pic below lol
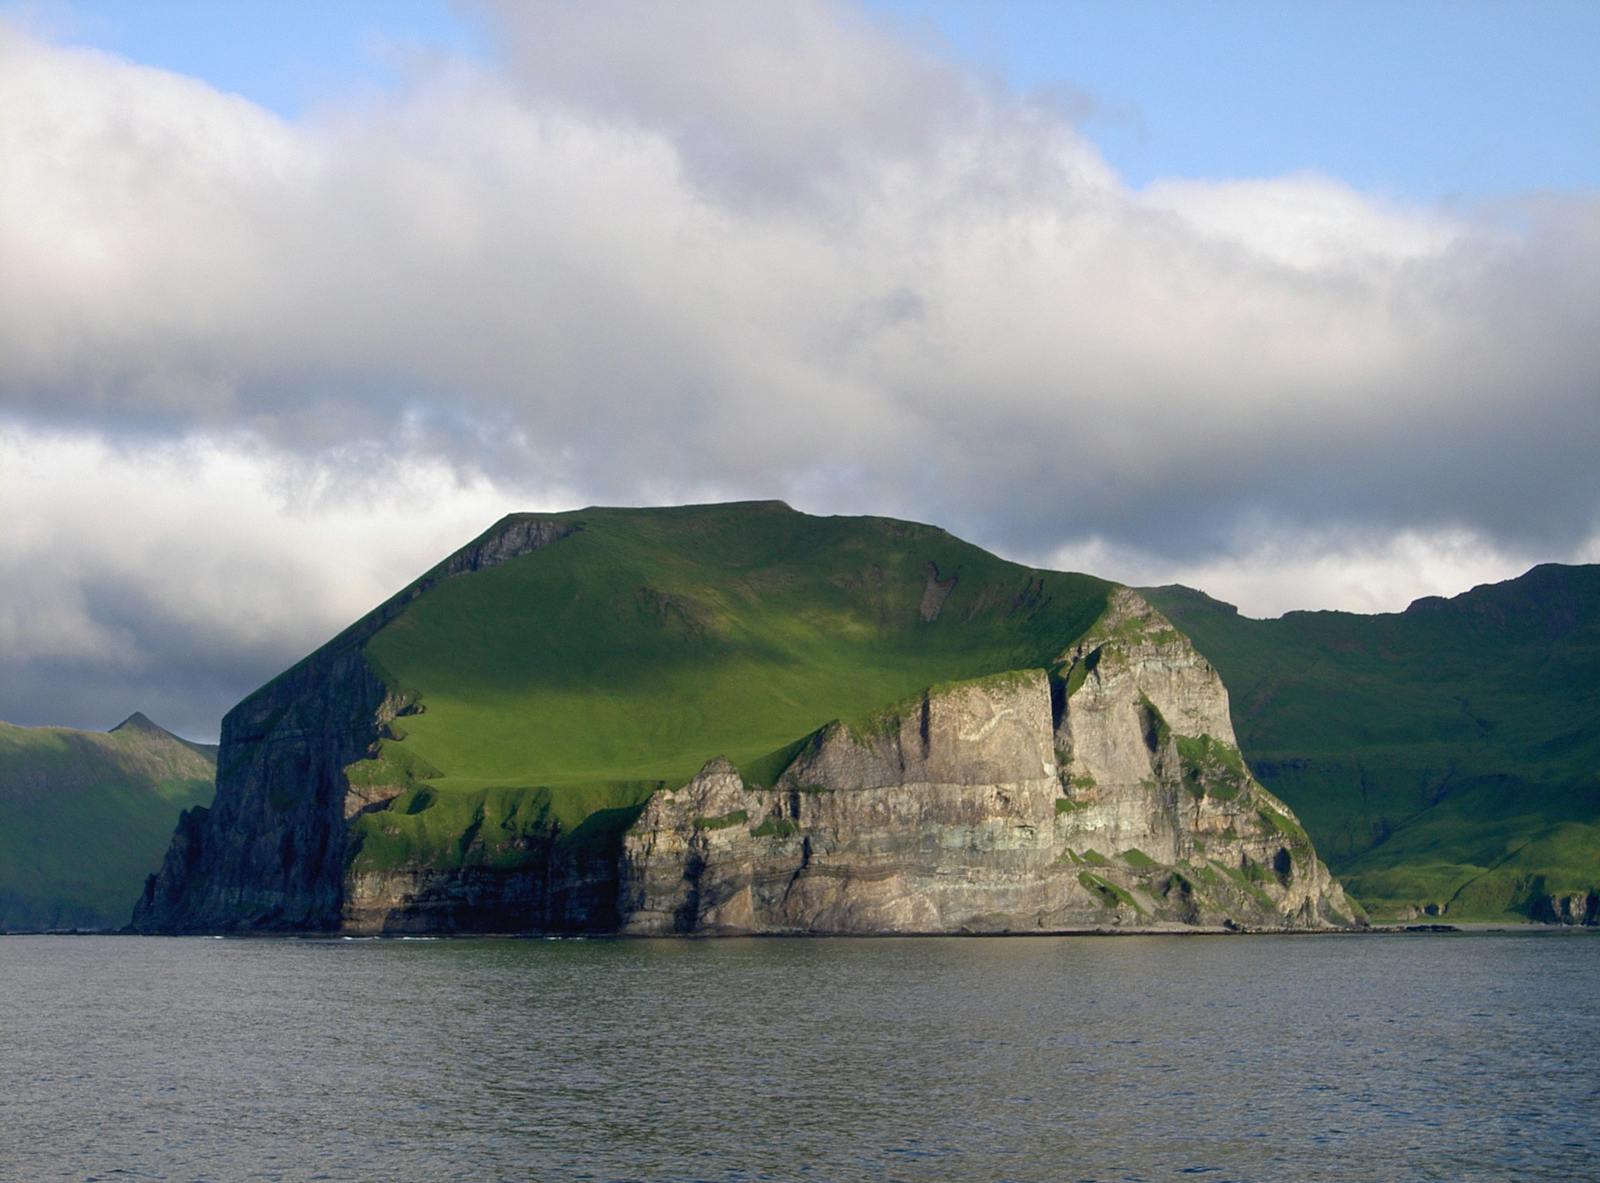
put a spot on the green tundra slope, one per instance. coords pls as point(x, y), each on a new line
point(569, 683)
point(1444, 758)
point(85, 816)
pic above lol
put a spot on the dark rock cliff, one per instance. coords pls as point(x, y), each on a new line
point(270, 853)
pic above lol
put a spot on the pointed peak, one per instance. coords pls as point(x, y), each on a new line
point(140, 722)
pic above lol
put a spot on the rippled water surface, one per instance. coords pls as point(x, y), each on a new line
point(1452, 1057)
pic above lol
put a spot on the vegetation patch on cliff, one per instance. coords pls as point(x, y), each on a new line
point(443, 826)
point(1109, 894)
point(1211, 768)
point(775, 827)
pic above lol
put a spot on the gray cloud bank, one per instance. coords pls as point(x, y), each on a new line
point(669, 252)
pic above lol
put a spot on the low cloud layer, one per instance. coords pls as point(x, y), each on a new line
point(727, 252)
point(178, 576)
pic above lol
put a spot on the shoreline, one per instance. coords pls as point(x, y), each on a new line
point(1462, 928)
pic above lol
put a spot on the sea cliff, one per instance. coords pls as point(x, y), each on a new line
point(1098, 788)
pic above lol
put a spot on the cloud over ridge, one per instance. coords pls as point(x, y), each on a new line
point(661, 253)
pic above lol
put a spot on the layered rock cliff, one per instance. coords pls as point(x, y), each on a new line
point(1108, 794)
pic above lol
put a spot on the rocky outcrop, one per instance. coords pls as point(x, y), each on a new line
point(1579, 907)
point(1107, 794)
point(270, 853)
point(1151, 764)
point(514, 536)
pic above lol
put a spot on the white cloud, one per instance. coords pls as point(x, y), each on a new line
point(1269, 571)
point(668, 253)
point(1306, 222)
point(144, 565)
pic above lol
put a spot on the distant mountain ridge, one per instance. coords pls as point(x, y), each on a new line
point(85, 815)
point(1445, 759)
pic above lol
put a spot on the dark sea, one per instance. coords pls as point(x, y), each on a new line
point(1374, 1057)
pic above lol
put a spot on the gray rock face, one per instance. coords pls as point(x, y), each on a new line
point(1150, 764)
point(1110, 797)
point(512, 537)
point(938, 821)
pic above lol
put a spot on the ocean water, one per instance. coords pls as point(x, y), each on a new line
point(1371, 1057)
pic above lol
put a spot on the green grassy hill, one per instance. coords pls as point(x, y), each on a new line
point(86, 815)
point(1448, 755)
point(568, 683)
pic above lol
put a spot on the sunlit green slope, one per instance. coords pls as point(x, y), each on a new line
point(1448, 755)
point(86, 815)
point(571, 681)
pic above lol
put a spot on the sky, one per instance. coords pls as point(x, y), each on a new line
point(1292, 303)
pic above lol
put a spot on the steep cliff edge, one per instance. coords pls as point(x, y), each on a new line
point(515, 750)
point(1110, 797)
point(271, 851)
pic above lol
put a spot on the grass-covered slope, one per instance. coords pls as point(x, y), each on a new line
point(1448, 755)
point(563, 686)
point(86, 815)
